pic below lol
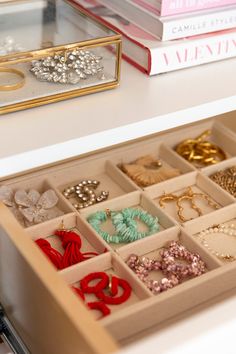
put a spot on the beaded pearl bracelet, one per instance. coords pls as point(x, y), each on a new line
point(125, 224)
point(229, 230)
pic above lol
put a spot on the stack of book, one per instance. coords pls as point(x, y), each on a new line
point(165, 35)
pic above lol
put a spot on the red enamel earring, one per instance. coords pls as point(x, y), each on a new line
point(78, 292)
point(95, 305)
point(100, 306)
point(102, 284)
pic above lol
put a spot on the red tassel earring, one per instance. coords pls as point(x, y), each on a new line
point(71, 242)
point(54, 256)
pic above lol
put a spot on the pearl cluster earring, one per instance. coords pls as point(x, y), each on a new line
point(229, 230)
point(142, 267)
point(84, 192)
point(69, 67)
point(174, 272)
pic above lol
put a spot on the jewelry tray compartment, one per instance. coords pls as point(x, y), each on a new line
point(200, 185)
point(220, 135)
point(210, 171)
point(214, 241)
point(89, 241)
point(158, 151)
point(113, 266)
point(160, 307)
point(134, 200)
point(68, 54)
point(41, 185)
point(102, 170)
point(144, 309)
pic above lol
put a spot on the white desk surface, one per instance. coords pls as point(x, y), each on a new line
point(208, 331)
point(140, 106)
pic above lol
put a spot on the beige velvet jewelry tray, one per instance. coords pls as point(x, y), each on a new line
point(143, 309)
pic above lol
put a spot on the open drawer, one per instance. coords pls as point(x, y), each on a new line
point(38, 300)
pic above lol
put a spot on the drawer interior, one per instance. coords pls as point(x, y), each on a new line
point(143, 309)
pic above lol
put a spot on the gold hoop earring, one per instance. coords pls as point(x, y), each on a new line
point(209, 201)
point(166, 198)
point(181, 209)
point(187, 195)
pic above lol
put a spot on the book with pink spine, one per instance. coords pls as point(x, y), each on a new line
point(176, 7)
point(155, 57)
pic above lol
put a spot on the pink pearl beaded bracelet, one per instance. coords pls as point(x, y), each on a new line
point(174, 272)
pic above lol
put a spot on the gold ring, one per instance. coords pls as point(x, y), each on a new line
point(13, 86)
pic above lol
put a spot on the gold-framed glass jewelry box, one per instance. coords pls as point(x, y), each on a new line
point(50, 50)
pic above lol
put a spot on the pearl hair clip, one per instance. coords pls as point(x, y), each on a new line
point(69, 67)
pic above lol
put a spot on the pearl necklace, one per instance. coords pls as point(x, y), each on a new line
point(229, 230)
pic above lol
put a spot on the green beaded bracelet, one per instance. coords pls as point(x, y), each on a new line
point(124, 224)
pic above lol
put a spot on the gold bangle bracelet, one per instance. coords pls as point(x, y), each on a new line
point(13, 86)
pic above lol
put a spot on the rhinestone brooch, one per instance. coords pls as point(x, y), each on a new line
point(69, 67)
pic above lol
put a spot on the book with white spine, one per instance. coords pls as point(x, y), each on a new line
point(155, 57)
point(175, 27)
